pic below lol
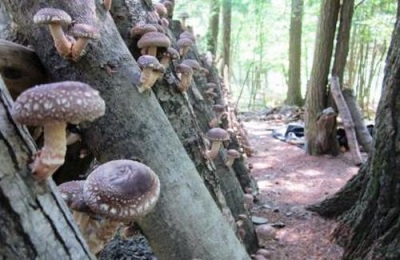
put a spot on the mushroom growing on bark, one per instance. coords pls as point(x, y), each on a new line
point(121, 190)
point(184, 16)
point(142, 28)
point(53, 106)
point(186, 73)
point(149, 42)
point(216, 135)
point(55, 19)
point(151, 71)
point(194, 64)
point(231, 155)
point(188, 35)
point(168, 55)
point(84, 33)
point(183, 45)
point(219, 112)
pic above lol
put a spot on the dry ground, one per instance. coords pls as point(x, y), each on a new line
point(288, 180)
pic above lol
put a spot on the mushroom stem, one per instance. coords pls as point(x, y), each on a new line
point(63, 45)
point(51, 156)
point(229, 161)
point(107, 4)
point(82, 219)
point(78, 48)
point(147, 79)
point(152, 50)
point(186, 80)
point(215, 145)
point(165, 61)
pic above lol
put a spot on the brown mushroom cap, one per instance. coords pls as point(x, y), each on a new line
point(148, 61)
point(172, 53)
point(82, 30)
point(188, 35)
point(52, 16)
point(218, 108)
point(72, 193)
point(154, 39)
point(194, 64)
point(217, 134)
point(67, 101)
point(184, 42)
point(160, 9)
point(233, 153)
point(184, 69)
point(122, 190)
point(142, 28)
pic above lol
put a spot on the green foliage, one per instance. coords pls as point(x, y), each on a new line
point(260, 40)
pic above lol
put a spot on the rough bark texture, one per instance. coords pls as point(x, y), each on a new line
point(326, 125)
point(34, 221)
point(343, 39)
point(178, 108)
point(371, 229)
point(317, 89)
point(213, 27)
point(363, 136)
point(135, 127)
point(293, 96)
point(226, 40)
point(347, 120)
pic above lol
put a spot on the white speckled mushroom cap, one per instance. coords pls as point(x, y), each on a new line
point(52, 16)
point(122, 190)
point(72, 193)
point(67, 101)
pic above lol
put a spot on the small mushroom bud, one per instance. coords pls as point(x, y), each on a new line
point(168, 55)
point(184, 44)
point(84, 33)
point(151, 70)
point(149, 42)
point(186, 73)
point(141, 28)
point(231, 155)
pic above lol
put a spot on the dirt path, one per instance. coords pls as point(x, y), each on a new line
point(289, 180)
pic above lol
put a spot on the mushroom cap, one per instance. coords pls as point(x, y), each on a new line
point(67, 101)
point(218, 108)
point(154, 39)
point(121, 190)
point(211, 85)
point(194, 64)
point(142, 28)
point(184, 42)
point(217, 134)
point(188, 35)
point(184, 69)
point(172, 53)
point(148, 61)
point(72, 193)
point(184, 15)
point(233, 153)
point(82, 30)
point(160, 9)
point(52, 16)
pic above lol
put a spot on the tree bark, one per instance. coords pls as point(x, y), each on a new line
point(135, 127)
point(347, 120)
point(363, 136)
point(213, 27)
point(317, 89)
point(293, 96)
point(34, 221)
point(370, 229)
point(343, 40)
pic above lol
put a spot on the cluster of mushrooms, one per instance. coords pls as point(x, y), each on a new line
point(115, 193)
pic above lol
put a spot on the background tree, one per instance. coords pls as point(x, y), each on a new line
point(370, 229)
point(293, 96)
point(317, 90)
point(213, 26)
point(226, 39)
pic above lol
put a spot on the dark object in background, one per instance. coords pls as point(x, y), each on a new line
point(342, 139)
point(298, 130)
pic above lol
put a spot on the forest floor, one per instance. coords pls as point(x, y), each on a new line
point(289, 180)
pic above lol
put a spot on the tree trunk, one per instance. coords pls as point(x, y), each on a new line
point(213, 27)
point(370, 229)
point(317, 92)
point(343, 40)
point(34, 221)
point(347, 120)
point(293, 96)
point(226, 40)
point(135, 127)
point(363, 136)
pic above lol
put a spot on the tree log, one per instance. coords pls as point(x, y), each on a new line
point(186, 222)
point(347, 120)
point(34, 221)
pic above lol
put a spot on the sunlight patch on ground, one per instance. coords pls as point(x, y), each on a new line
point(311, 172)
